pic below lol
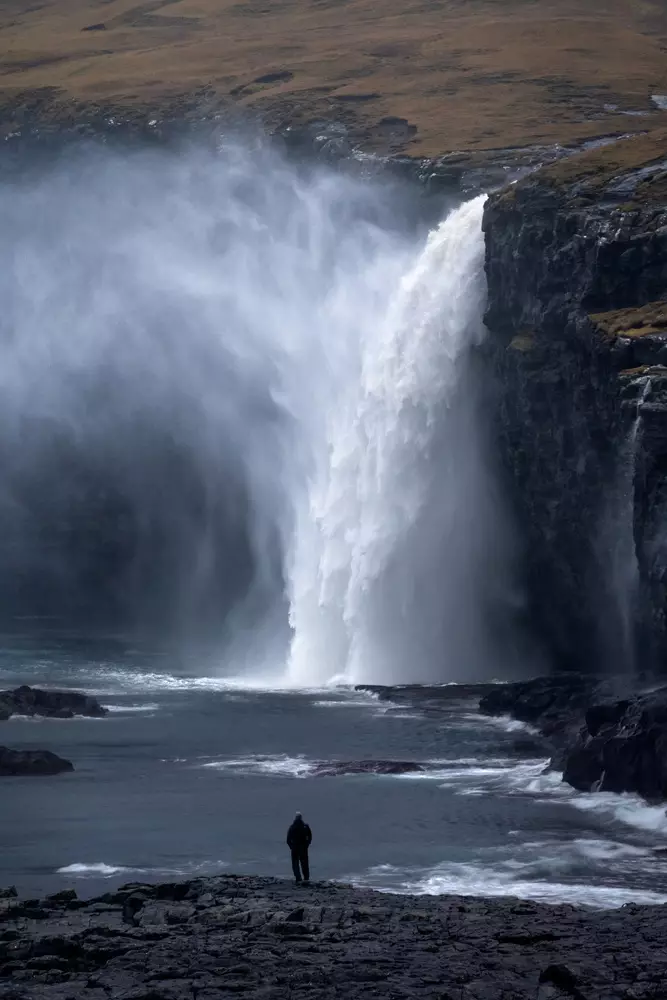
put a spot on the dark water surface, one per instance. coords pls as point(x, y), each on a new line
point(193, 774)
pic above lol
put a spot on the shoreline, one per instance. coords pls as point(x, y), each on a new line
point(265, 937)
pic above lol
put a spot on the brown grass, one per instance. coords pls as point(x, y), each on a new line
point(462, 74)
point(598, 166)
point(649, 319)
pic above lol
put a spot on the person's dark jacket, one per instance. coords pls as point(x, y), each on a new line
point(299, 836)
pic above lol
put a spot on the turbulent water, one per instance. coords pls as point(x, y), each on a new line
point(189, 775)
point(236, 406)
point(240, 427)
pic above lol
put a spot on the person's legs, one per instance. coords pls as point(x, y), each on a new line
point(305, 867)
point(295, 865)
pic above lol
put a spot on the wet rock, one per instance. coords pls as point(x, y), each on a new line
point(563, 979)
point(264, 938)
point(576, 264)
point(31, 762)
point(30, 701)
point(622, 747)
point(601, 742)
point(340, 767)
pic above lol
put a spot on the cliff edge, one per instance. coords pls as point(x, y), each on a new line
point(576, 262)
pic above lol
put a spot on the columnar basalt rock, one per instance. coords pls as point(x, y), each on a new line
point(577, 278)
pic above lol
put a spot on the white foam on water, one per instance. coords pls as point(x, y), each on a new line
point(492, 776)
point(96, 868)
point(468, 880)
point(504, 722)
point(102, 869)
point(584, 871)
point(122, 709)
point(47, 719)
point(282, 765)
point(345, 703)
point(276, 766)
point(630, 810)
point(146, 681)
point(449, 772)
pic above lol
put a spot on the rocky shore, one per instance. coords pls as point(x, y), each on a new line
point(267, 938)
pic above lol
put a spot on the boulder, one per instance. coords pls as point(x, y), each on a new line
point(340, 767)
point(31, 762)
point(30, 701)
point(622, 747)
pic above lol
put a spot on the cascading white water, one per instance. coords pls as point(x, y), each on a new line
point(619, 535)
point(387, 552)
point(213, 334)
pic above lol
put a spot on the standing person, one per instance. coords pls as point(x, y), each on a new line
point(299, 839)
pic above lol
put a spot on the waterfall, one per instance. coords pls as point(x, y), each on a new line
point(235, 391)
point(624, 564)
point(393, 537)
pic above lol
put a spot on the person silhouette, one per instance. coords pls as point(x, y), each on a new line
point(299, 839)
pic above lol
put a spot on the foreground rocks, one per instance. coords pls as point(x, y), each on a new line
point(30, 701)
point(209, 939)
point(31, 762)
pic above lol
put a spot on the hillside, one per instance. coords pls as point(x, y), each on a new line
point(425, 76)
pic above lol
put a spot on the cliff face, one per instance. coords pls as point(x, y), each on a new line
point(577, 277)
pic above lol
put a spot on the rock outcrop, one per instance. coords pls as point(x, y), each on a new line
point(15, 763)
point(601, 734)
point(336, 768)
point(266, 938)
point(622, 747)
point(30, 701)
point(577, 280)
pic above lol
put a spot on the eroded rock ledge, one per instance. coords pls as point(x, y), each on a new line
point(604, 734)
point(212, 938)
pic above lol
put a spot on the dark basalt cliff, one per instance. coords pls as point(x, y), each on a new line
point(576, 261)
